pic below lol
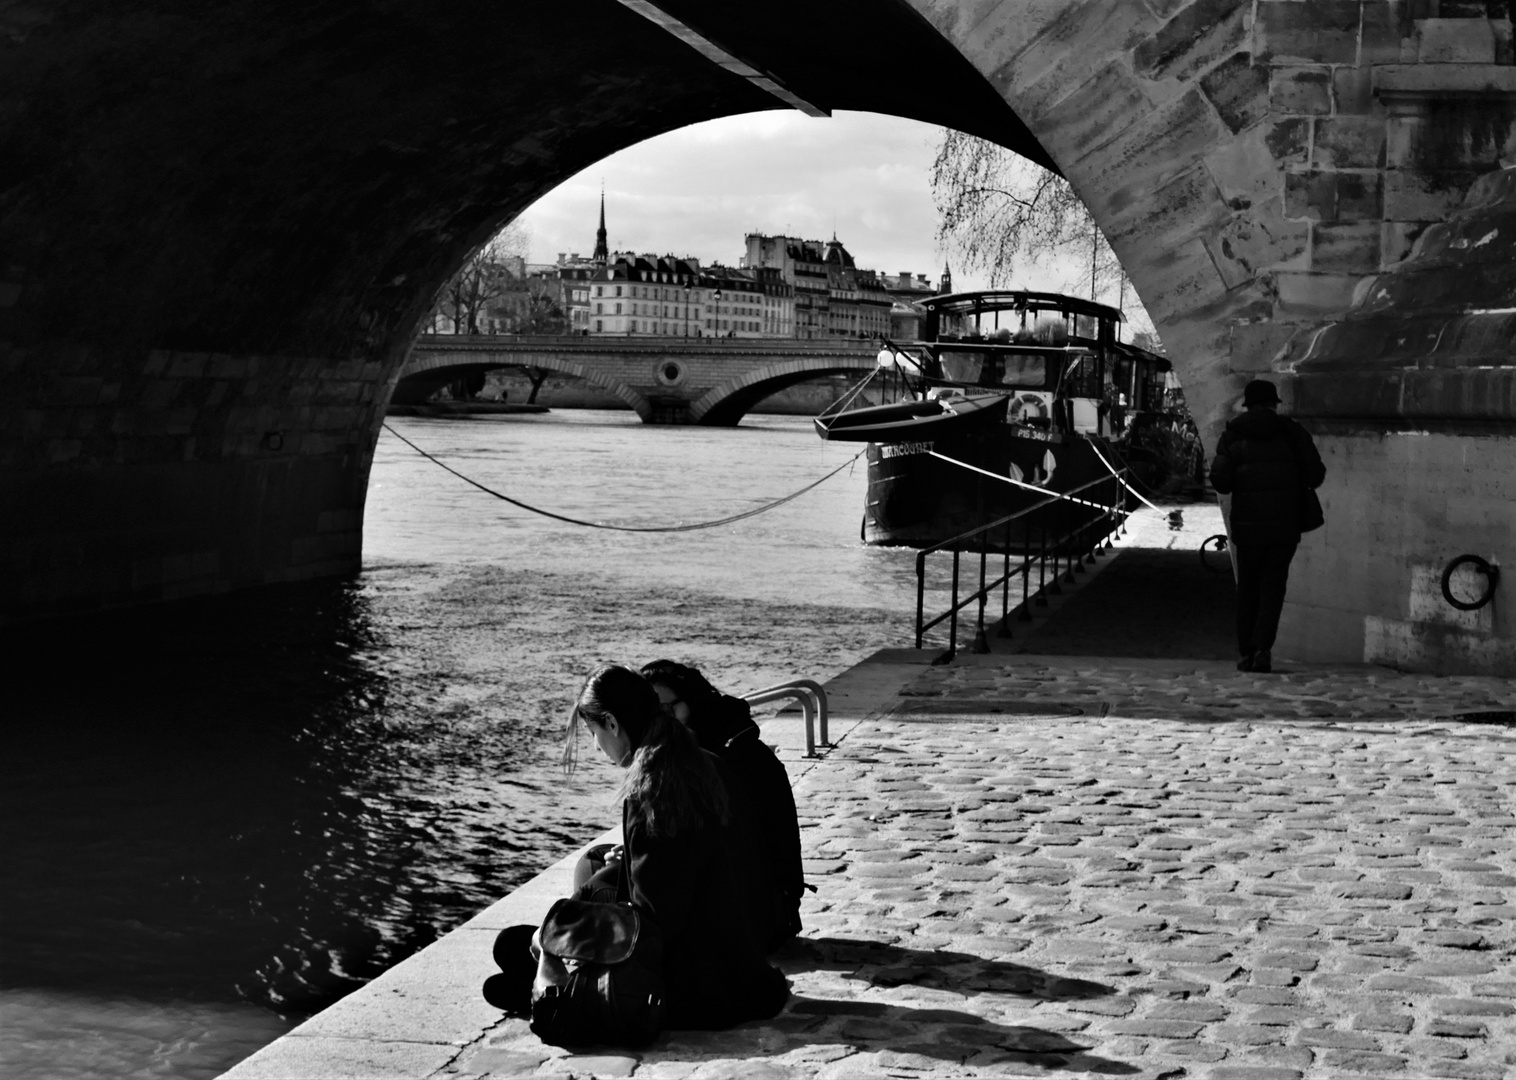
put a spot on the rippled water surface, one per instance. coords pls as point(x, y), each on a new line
point(220, 816)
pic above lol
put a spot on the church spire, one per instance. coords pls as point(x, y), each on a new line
point(602, 253)
point(946, 285)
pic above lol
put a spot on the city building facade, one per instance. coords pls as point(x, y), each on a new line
point(783, 287)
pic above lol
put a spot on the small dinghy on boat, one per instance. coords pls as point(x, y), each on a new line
point(908, 421)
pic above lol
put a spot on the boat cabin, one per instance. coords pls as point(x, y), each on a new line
point(1041, 346)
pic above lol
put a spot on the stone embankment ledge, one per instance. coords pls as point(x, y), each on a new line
point(1040, 865)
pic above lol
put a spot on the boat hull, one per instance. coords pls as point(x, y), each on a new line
point(917, 499)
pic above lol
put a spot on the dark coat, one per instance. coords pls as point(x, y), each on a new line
point(759, 786)
point(715, 974)
point(1263, 461)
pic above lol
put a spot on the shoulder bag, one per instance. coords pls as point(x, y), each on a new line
point(1311, 514)
point(599, 974)
point(1307, 503)
point(599, 977)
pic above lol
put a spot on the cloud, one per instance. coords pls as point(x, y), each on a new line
point(700, 189)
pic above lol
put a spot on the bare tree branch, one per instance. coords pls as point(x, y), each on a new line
point(1001, 214)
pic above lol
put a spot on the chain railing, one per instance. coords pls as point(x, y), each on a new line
point(1057, 530)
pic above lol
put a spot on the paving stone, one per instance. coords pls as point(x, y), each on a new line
point(1405, 984)
point(1383, 1020)
point(1472, 1007)
point(1439, 968)
point(1467, 1070)
point(1189, 1050)
point(1365, 1061)
point(1287, 961)
point(1328, 1037)
point(1247, 1034)
point(1266, 995)
point(1435, 1048)
point(1278, 1015)
point(1202, 1011)
point(1163, 1029)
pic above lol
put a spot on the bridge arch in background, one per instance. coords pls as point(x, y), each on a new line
point(729, 402)
point(221, 236)
point(445, 368)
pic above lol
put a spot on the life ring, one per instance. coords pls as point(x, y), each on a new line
point(1491, 575)
point(1023, 406)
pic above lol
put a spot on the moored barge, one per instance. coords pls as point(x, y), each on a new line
point(1009, 398)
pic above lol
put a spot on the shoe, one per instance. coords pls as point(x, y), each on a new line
point(1262, 661)
point(1246, 663)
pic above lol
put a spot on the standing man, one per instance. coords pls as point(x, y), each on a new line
point(1265, 462)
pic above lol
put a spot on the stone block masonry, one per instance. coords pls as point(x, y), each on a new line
point(1383, 550)
point(185, 474)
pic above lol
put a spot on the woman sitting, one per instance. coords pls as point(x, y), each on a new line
point(675, 864)
point(724, 726)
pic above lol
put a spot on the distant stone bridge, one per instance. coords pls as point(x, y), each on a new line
point(667, 380)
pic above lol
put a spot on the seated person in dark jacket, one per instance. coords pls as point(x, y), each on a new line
point(724, 725)
point(1265, 462)
point(676, 863)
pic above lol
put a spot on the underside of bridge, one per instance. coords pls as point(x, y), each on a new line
point(221, 224)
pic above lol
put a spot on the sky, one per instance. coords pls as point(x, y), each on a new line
point(697, 191)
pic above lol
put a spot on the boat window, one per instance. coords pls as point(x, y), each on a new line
point(961, 366)
point(1023, 369)
point(1082, 377)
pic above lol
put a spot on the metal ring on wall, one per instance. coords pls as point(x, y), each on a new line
point(1214, 543)
point(1490, 572)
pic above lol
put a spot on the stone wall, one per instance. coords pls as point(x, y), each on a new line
point(1367, 586)
point(197, 472)
point(1313, 192)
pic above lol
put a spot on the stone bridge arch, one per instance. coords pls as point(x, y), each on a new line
point(431, 371)
point(221, 234)
point(711, 381)
point(728, 402)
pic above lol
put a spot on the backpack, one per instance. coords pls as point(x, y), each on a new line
point(599, 977)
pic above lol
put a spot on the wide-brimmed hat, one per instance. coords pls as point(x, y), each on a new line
point(1259, 392)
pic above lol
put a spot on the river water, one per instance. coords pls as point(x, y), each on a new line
point(221, 816)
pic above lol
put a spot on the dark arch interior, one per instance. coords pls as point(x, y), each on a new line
point(220, 226)
point(295, 179)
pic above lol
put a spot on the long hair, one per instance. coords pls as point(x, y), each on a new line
point(692, 687)
point(671, 786)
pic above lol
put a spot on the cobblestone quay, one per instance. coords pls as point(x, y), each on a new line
point(1051, 865)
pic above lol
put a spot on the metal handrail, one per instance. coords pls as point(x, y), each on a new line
point(1086, 532)
point(812, 698)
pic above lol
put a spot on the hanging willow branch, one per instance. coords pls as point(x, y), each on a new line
point(998, 212)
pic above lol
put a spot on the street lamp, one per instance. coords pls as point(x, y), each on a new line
point(686, 309)
point(716, 328)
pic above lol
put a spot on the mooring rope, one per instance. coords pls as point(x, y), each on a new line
point(1120, 479)
point(623, 528)
point(1018, 483)
point(838, 406)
